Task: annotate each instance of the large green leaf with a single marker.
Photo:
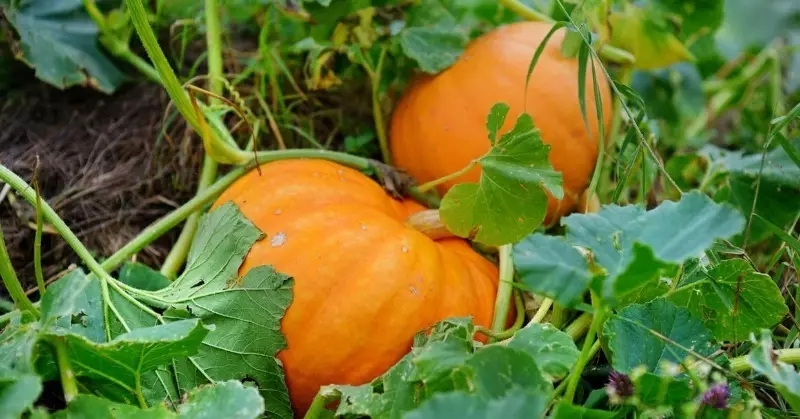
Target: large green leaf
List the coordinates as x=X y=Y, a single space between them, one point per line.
x=516 y=404
x=649 y=334
x=246 y=312
x=19 y=384
x=142 y=277
x=18 y=392
x=228 y=399
x=732 y=300
x=445 y=362
x=74 y=303
x=778 y=164
x=434 y=49
x=782 y=375
x=566 y=410
x=549 y=266
x=118 y=365
x=554 y=351
x=509 y=201
x=777 y=203
x=635 y=246
x=59 y=40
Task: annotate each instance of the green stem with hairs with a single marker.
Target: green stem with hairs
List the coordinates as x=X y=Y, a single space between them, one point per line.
x=559 y=316
x=166 y=74
x=609 y=53
x=586 y=351
x=579 y=326
x=11 y=281
x=208 y=173
x=504 y=289
x=37 y=243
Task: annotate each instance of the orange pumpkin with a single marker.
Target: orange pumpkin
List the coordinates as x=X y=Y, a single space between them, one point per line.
x=365 y=282
x=439 y=125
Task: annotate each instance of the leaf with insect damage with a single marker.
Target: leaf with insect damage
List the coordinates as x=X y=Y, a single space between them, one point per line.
x=510 y=200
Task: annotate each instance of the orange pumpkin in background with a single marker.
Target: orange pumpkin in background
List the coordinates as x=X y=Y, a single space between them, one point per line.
x=439 y=125
x=364 y=282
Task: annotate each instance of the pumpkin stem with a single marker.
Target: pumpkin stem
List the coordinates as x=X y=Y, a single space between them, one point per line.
x=429 y=223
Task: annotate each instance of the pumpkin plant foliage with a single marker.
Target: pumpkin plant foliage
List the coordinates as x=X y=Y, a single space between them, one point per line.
x=509 y=201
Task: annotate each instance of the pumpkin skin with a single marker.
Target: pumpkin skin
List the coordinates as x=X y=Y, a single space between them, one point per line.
x=439 y=125
x=364 y=282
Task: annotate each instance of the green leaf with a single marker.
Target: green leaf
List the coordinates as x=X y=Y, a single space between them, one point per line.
x=142 y=277
x=17 y=349
x=554 y=351
x=18 y=392
x=434 y=49
x=790 y=240
x=117 y=366
x=61 y=298
x=635 y=246
x=694 y=15
x=74 y=303
x=647 y=36
x=566 y=410
x=509 y=201
x=662 y=390
x=633 y=342
x=497 y=369
x=59 y=40
x=782 y=375
x=516 y=404
x=778 y=164
x=239 y=308
x=228 y=399
x=712 y=297
x=87 y=406
x=778 y=204
x=549 y=266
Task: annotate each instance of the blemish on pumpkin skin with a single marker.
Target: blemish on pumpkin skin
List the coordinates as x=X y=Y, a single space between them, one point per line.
x=278 y=240
x=278 y=212
x=363 y=227
x=405 y=249
x=413 y=290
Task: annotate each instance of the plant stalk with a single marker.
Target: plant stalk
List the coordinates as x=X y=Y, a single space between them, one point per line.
x=166 y=74
x=37 y=242
x=10 y=278
x=455 y=175
x=208 y=173
x=68 y=382
x=377 y=110
x=505 y=287
x=579 y=326
x=585 y=356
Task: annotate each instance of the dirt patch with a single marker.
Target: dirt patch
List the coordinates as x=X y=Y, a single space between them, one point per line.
x=103 y=167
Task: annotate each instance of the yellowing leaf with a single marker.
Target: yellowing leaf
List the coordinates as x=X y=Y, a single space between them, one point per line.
x=648 y=40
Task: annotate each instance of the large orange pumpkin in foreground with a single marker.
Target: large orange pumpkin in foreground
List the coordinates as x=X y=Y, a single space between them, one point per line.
x=439 y=125
x=365 y=282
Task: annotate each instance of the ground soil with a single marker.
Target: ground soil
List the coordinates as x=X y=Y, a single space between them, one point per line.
x=103 y=166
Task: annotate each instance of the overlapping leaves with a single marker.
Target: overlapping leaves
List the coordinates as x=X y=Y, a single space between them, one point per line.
x=631 y=248
x=446 y=375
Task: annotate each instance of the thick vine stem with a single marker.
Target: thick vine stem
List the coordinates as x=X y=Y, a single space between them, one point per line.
x=504 y=289
x=11 y=281
x=506 y=334
x=425 y=187
x=579 y=326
